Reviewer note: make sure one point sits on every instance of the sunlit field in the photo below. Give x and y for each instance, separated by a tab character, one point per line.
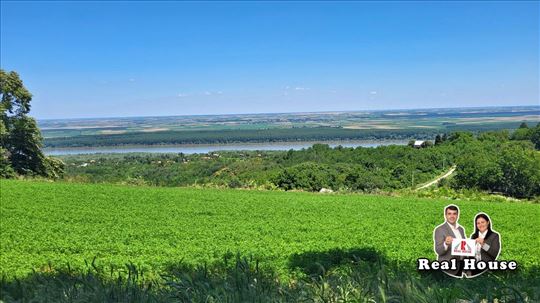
63	223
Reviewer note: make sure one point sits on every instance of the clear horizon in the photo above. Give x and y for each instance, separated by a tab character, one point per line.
146	59
304	112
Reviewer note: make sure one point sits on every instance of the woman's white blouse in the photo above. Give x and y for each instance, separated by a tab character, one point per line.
478	254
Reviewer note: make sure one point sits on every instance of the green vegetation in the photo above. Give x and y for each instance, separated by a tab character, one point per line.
525	133
234	136
180	243
65	222
347	169
46	226
349	276
493	163
20	138
512	170
490	162
157	244
319	133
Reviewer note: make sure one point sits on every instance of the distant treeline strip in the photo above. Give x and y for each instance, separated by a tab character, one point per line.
252	135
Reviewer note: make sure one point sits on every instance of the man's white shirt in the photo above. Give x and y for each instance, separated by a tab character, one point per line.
455	230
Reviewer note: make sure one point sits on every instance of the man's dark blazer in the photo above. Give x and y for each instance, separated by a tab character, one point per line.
444	254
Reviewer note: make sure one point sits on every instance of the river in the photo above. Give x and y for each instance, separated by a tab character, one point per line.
205	148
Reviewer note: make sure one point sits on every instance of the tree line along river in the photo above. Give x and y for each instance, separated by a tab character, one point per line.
205	148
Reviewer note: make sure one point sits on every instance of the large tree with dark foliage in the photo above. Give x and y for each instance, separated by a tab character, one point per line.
535	136
20	138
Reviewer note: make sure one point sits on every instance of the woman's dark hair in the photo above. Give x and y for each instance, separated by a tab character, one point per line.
476	231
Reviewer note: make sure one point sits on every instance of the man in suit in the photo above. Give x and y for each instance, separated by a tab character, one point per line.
443	236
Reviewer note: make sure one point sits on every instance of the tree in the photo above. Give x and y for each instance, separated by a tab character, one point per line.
523	125
512	169
521	172
6	170
307	176
478	170
494	136
20	138
461	137
427	144
24	145
522	134
438	139
535	136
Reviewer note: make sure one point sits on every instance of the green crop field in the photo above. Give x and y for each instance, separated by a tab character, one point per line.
61	223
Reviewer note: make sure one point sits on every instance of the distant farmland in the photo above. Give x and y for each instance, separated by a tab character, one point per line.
406	124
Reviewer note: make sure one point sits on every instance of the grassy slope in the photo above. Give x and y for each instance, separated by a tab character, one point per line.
154	227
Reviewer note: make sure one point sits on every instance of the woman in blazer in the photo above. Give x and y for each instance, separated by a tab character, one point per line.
488	242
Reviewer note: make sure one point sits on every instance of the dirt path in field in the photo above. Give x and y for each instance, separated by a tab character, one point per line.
448	173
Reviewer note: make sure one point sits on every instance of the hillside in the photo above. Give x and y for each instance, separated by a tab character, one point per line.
64	223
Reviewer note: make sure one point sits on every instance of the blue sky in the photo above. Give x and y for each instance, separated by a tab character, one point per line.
110	59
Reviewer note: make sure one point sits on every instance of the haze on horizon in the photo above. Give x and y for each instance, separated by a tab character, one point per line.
98	59
518	108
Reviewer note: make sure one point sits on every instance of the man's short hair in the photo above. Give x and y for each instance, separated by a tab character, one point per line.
451	207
